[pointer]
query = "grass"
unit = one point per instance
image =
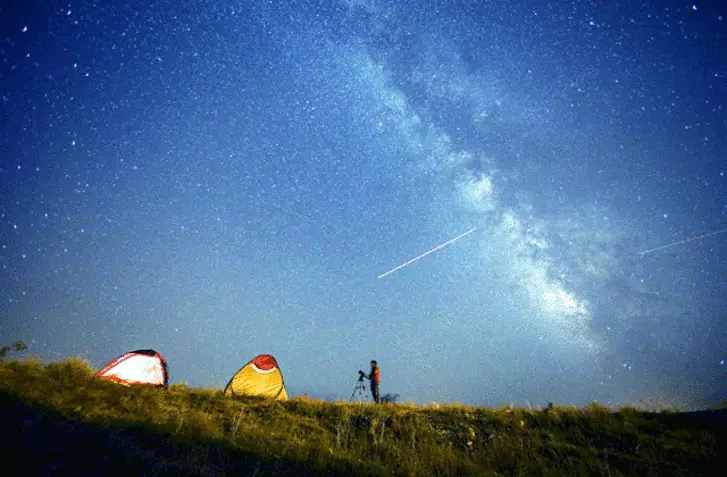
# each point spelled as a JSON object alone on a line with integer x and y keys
{"x": 58, "y": 419}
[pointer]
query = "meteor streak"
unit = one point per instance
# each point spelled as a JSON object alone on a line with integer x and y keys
{"x": 427, "y": 253}
{"x": 681, "y": 242}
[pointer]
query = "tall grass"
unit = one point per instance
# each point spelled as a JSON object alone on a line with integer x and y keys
{"x": 188, "y": 431}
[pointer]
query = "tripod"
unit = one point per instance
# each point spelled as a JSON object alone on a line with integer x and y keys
{"x": 360, "y": 390}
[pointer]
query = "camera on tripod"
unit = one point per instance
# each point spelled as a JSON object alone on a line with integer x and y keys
{"x": 360, "y": 389}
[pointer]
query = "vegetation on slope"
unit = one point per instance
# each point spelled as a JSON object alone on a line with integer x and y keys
{"x": 58, "y": 419}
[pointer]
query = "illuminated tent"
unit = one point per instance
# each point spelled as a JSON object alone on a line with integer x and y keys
{"x": 260, "y": 377}
{"x": 144, "y": 366}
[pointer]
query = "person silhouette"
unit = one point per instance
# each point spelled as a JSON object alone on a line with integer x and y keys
{"x": 375, "y": 378}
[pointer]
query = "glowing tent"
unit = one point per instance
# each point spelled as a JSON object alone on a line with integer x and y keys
{"x": 144, "y": 366}
{"x": 260, "y": 377}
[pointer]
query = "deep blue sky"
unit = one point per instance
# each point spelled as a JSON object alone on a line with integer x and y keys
{"x": 216, "y": 180}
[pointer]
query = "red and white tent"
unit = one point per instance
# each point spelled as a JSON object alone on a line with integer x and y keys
{"x": 144, "y": 366}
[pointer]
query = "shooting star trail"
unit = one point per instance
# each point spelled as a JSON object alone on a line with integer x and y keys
{"x": 427, "y": 253}
{"x": 673, "y": 244}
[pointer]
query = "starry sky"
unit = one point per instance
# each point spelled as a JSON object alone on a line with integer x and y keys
{"x": 216, "y": 180}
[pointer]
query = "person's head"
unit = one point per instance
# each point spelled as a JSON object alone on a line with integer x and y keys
{"x": 373, "y": 363}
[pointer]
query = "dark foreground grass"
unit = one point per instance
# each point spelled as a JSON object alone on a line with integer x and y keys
{"x": 57, "y": 419}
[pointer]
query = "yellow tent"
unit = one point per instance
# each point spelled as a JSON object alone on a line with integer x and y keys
{"x": 260, "y": 377}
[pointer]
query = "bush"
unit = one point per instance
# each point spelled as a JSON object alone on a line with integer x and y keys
{"x": 17, "y": 346}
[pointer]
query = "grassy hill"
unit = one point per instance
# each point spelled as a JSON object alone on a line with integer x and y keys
{"x": 57, "y": 419}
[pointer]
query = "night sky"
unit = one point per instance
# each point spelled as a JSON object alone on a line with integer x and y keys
{"x": 216, "y": 180}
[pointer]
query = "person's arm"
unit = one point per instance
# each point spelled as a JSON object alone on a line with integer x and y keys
{"x": 364, "y": 375}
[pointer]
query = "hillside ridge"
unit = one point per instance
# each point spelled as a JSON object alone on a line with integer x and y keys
{"x": 59, "y": 419}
